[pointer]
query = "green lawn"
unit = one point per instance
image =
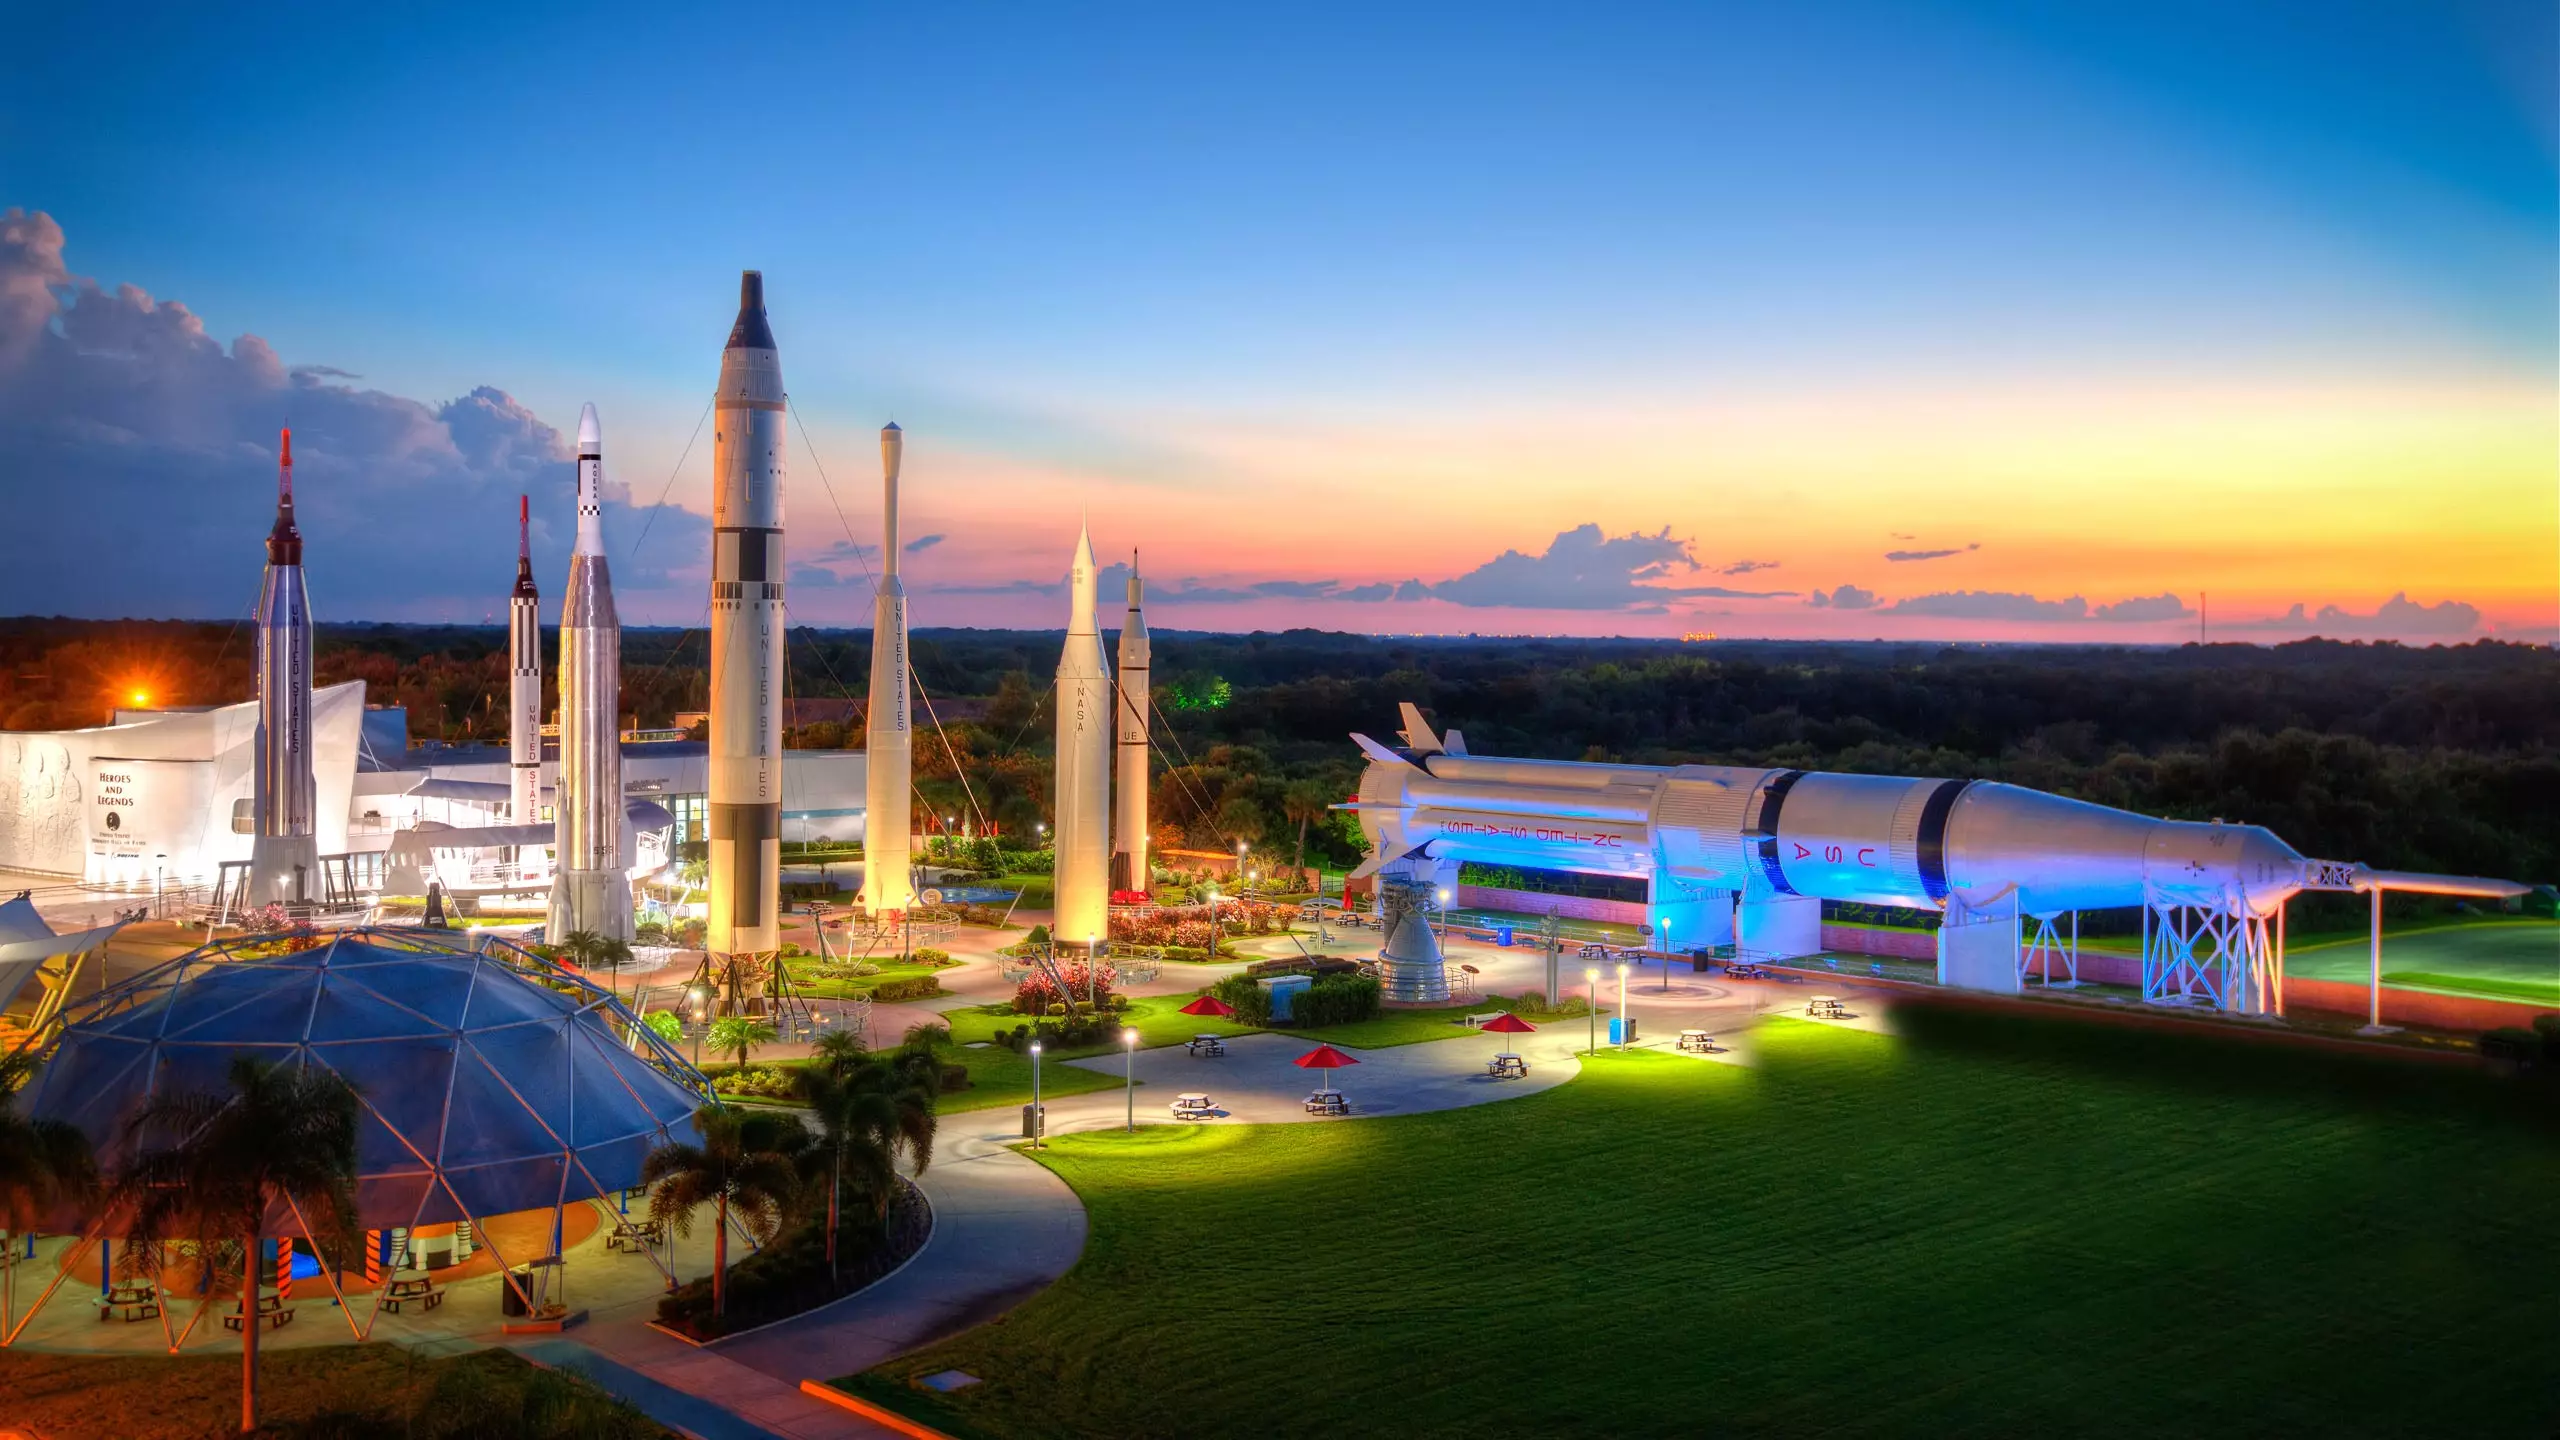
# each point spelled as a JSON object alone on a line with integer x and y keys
{"x": 1999, "y": 1226}
{"x": 1039, "y": 892}
{"x": 1158, "y": 1021}
{"x": 998, "y": 1077}
{"x": 2506, "y": 960}
{"x": 802, "y": 976}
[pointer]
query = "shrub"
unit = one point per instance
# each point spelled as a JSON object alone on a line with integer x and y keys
{"x": 1039, "y": 936}
{"x": 906, "y": 987}
{"x": 1038, "y": 994}
{"x": 928, "y": 955}
{"x": 759, "y": 1080}
{"x": 1252, "y": 1002}
{"x": 1338, "y": 1000}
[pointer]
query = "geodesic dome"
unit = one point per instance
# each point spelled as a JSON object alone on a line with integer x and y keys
{"x": 490, "y": 1080}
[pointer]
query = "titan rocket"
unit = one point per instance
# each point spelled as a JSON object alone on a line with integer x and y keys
{"x": 591, "y": 886}
{"x": 745, "y": 803}
{"x": 284, "y": 851}
{"x": 1082, "y": 791}
{"x": 524, "y": 679}
{"x": 1129, "y": 814}
{"x": 889, "y": 767}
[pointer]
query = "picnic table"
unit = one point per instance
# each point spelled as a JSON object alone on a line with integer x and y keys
{"x": 135, "y": 1299}
{"x": 401, "y": 1290}
{"x": 1208, "y": 1045}
{"x": 1192, "y": 1105}
{"x": 635, "y": 1235}
{"x": 1698, "y": 1042}
{"x": 272, "y": 1313}
{"x": 1328, "y": 1102}
{"x": 1507, "y": 1066}
{"x": 1745, "y": 970}
{"x": 1824, "y": 1007}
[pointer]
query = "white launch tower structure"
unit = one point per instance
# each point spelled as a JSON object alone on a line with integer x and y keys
{"x": 887, "y": 829}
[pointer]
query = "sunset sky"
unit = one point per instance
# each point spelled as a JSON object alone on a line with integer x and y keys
{"x": 1965, "y": 320}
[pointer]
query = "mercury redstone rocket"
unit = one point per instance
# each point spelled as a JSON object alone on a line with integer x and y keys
{"x": 1129, "y": 810}
{"x": 591, "y": 882}
{"x": 284, "y": 851}
{"x": 1082, "y": 792}
{"x": 889, "y": 767}
{"x": 745, "y": 800}
{"x": 524, "y": 679}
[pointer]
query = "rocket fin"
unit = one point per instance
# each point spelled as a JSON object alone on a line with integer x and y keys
{"x": 1377, "y": 752}
{"x": 1417, "y": 732}
{"x": 1457, "y": 743}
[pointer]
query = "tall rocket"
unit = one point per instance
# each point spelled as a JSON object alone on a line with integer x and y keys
{"x": 889, "y": 766}
{"x": 1129, "y": 813}
{"x": 1082, "y": 791}
{"x": 524, "y": 679}
{"x": 284, "y": 851}
{"x": 745, "y": 803}
{"x": 591, "y": 886}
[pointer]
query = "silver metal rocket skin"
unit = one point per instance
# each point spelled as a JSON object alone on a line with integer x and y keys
{"x": 1129, "y": 801}
{"x": 284, "y": 848}
{"x": 524, "y": 679}
{"x": 889, "y": 767}
{"x": 591, "y": 886}
{"x": 1083, "y": 785}
{"x": 745, "y": 801}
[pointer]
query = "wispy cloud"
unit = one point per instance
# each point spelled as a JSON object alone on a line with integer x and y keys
{"x": 1900, "y": 556}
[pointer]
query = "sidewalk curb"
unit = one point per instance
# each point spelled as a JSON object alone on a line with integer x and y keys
{"x": 876, "y": 1414}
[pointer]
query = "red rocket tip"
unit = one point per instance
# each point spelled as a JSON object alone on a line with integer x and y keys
{"x": 288, "y": 445}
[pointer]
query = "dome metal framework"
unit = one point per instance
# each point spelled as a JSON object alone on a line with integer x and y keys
{"x": 489, "y": 1080}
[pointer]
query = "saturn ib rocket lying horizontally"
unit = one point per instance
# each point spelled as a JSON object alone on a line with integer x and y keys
{"x": 284, "y": 849}
{"x": 591, "y": 887}
{"x": 1082, "y": 795}
{"x": 744, "y": 807}
{"x": 889, "y": 769}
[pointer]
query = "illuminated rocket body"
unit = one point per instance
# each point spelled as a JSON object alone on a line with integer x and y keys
{"x": 889, "y": 766}
{"x": 284, "y": 851}
{"x": 1083, "y": 785}
{"x": 1129, "y": 808}
{"x": 524, "y": 679}
{"x": 591, "y": 886}
{"x": 745, "y": 801}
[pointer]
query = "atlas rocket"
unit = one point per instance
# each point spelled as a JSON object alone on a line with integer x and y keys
{"x": 284, "y": 850}
{"x": 889, "y": 766}
{"x": 524, "y": 679}
{"x": 1129, "y": 811}
{"x": 745, "y": 801}
{"x": 591, "y": 885}
{"x": 1082, "y": 792}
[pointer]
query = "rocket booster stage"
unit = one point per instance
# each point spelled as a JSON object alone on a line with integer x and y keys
{"x": 524, "y": 678}
{"x": 1129, "y": 869}
{"x": 888, "y": 773}
{"x": 745, "y": 801}
{"x": 1083, "y": 785}
{"x": 284, "y": 851}
{"x": 591, "y": 885}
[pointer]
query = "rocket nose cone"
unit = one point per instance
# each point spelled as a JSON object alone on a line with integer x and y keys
{"x": 590, "y": 433}
{"x": 752, "y": 332}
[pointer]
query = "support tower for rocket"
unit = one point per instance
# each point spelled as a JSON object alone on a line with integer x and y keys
{"x": 1082, "y": 789}
{"x": 591, "y": 886}
{"x": 524, "y": 678}
{"x": 888, "y": 775}
{"x": 1129, "y": 814}
{"x": 745, "y": 800}
{"x": 284, "y": 849}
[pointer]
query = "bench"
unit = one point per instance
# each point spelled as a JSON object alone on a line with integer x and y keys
{"x": 1478, "y": 1022}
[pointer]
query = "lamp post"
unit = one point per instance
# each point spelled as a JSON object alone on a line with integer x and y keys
{"x": 1039, "y": 1121}
{"x": 1591, "y": 1007}
{"x": 1666, "y": 957}
{"x": 1622, "y": 1005}
{"x": 1129, "y": 1042}
{"x": 1093, "y": 972}
{"x": 1444, "y": 917}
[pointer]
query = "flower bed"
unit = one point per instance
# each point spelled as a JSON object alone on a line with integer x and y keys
{"x": 790, "y": 1275}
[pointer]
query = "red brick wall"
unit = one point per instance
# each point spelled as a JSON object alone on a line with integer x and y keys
{"x": 1874, "y": 940}
{"x": 1534, "y": 902}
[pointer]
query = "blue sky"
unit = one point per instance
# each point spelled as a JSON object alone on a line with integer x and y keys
{"x": 1179, "y": 256}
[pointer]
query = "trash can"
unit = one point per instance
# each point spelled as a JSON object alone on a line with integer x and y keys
{"x": 1035, "y": 1121}
{"x": 1622, "y": 1032}
{"x": 1502, "y": 935}
{"x": 1700, "y": 959}
{"x": 511, "y": 1297}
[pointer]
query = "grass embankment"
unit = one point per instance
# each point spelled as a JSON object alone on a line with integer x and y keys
{"x": 2501, "y": 960}
{"x": 331, "y": 1391}
{"x": 804, "y": 975}
{"x": 2002, "y": 1225}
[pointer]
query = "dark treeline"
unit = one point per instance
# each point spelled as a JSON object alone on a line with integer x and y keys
{"x": 2412, "y": 758}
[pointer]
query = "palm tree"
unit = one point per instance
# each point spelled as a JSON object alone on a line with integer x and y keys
{"x": 589, "y": 950}
{"x": 1306, "y": 802}
{"x": 44, "y": 1164}
{"x": 743, "y": 1163}
{"x": 739, "y": 1034}
{"x": 227, "y": 1160}
{"x": 870, "y": 1109}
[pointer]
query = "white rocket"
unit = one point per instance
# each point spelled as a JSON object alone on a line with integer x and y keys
{"x": 591, "y": 883}
{"x": 284, "y": 852}
{"x": 745, "y": 801}
{"x": 1129, "y": 813}
{"x": 889, "y": 766}
{"x": 1082, "y": 794}
{"x": 524, "y": 679}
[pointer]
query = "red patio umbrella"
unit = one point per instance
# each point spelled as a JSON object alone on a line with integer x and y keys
{"x": 1324, "y": 1057}
{"x": 1210, "y": 1005}
{"x": 1507, "y": 1023}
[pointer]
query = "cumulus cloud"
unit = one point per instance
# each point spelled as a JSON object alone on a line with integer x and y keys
{"x": 2398, "y": 616}
{"x": 1368, "y": 594}
{"x": 1900, "y": 556}
{"x": 2143, "y": 609}
{"x": 1584, "y": 568}
{"x": 1989, "y": 605}
{"x": 1845, "y": 597}
{"x": 135, "y": 436}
